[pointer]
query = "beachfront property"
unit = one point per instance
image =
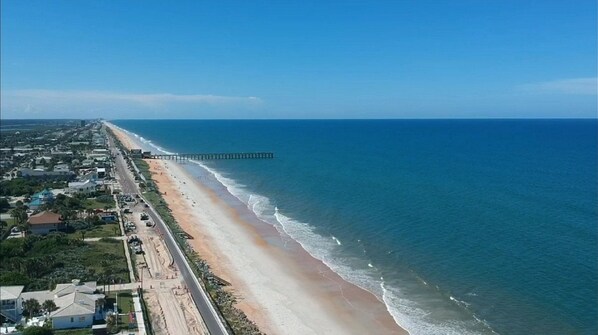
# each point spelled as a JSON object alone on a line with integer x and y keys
{"x": 135, "y": 153}
{"x": 78, "y": 304}
{"x": 45, "y": 222}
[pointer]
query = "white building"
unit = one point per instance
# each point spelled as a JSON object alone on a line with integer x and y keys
{"x": 11, "y": 302}
{"x": 78, "y": 305}
{"x": 101, "y": 172}
{"x": 64, "y": 168}
{"x": 82, "y": 187}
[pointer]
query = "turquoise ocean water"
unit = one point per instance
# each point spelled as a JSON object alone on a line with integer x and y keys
{"x": 458, "y": 226}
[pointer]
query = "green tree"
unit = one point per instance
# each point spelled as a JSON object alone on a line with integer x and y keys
{"x": 31, "y": 307}
{"x": 19, "y": 214}
{"x": 4, "y": 205}
{"x": 49, "y": 306}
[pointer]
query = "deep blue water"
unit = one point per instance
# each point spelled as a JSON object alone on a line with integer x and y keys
{"x": 460, "y": 226}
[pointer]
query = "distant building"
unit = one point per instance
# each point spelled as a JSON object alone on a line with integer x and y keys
{"x": 41, "y": 173}
{"x": 43, "y": 160}
{"x": 62, "y": 153}
{"x": 82, "y": 187}
{"x": 41, "y": 198}
{"x": 82, "y": 123}
{"x": 101, "y": 172}
{"x": 101, "y": 151}
{"x": 135, "y": 153}
{"x": 45, "y": 222}
{"x": 87, "y": 163}
{"x": 64, "y": 168}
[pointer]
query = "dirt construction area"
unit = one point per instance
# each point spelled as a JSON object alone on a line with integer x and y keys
{"x": 171, "y": 307}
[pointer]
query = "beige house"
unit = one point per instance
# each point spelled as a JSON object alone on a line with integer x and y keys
{"x": 45, "y": 222}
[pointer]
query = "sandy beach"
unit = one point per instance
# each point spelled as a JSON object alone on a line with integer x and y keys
{"x": 285, "y": 291}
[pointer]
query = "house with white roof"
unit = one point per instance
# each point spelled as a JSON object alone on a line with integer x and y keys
{"x": 11, "y": 302}
{"x": 78, "y": 304}
{"x": 82, "y": 187}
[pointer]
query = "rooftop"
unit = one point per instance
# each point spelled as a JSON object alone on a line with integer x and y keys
{"x": 45, "y": 217}
{"x": 10, "y": 292}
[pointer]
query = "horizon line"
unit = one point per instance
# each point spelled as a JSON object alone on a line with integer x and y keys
{"x": 320, "y": 119}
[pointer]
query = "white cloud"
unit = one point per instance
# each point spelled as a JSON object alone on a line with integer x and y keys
{"x": 580, "y": 86}
{"x": 74, "y": 103}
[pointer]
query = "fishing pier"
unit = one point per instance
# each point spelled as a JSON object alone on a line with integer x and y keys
{"x": 206, "y": 156}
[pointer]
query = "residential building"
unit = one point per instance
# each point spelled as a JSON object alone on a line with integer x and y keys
{"x": 41, "y": 198}
{"x": 83, "y": 187}
{"x": 78, "y": 304}
{"x": 87, "y": 163}
{"x": 101, "y": 172}
{"x": 27, "y": 172}
{"x": 45, "y": 222}
{"x": 64, "y": 168}
{"x": 101, "y": 151}
{"x": 11, "y": 302}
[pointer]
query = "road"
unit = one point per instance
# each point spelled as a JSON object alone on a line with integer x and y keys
{"x": 200, "y": 298}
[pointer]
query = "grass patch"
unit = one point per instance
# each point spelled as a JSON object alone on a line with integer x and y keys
{"x": 124, "y": 305}
{"x": 124, "y": 302}
{"x": 105, "y": 230}
{"x": 107, "y": 256}
{"x": 95, "y": 204}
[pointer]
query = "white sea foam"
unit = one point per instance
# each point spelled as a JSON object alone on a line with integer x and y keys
{"x": 146, "y": 142}
{"x": 460, "y": 303}
{"x": 335, "y": 239}
{"x": 413, "y": 318}
{"x": 404, "y": 311}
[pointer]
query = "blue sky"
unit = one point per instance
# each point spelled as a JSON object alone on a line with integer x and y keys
{"x": 285, "y": 59}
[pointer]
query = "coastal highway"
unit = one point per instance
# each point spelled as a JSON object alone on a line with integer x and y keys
{"x": 208, "y": 313}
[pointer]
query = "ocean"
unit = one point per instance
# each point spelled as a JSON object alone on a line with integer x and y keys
{"x": 458, "y": 226}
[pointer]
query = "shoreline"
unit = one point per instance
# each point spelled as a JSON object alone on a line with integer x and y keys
{"x": 282, "y": 290}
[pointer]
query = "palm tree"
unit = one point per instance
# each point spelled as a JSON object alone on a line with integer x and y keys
{"x": 19, "y": 214}
{"x": 32, "y": 306}
{"x": 49, "y": 306}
